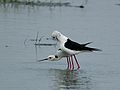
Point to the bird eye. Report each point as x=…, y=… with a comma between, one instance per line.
x=60, y=49
x=50, y=57
x=53, y=37
x=56, y=56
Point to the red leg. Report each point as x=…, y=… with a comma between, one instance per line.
x=77, y=61
x=72, y=63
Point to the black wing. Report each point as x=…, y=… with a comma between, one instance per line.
x=79, y=47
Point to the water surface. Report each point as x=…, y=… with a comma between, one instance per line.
x=97, y=22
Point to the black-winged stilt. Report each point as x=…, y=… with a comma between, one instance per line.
x=59, y=55
x=71, y=48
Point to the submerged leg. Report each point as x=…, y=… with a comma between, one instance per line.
x=72, y=63
x=77, y=61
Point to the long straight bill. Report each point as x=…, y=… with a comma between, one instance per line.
x=43, y=60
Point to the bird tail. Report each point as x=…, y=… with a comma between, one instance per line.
x=92, y=49
x=87, y=43
x=89, y=48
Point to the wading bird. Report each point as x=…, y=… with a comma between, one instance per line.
x=59, y=55
x=71, y=48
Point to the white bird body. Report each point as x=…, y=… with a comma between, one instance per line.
x=62, y=39
x=71, y=48
x=62, y=54
x=68, y=48
x=59, y=55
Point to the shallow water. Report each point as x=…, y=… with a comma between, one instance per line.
x=97, y=22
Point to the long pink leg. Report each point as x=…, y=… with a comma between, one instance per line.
x=72, y=63
x=76, y=61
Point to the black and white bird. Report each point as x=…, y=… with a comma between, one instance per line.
x=71, y=48
x=58, y=56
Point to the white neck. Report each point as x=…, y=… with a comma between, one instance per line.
x=62, y=38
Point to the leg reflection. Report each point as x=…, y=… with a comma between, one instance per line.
x=67, y=79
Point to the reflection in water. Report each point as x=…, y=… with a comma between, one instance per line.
x=17, y=7
x=65, y=79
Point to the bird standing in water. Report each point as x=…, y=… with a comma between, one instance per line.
x=71, y=48
x=59, y=55
x=68, y=49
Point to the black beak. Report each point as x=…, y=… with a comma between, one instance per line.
x=49, y=38
x=43, y=60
